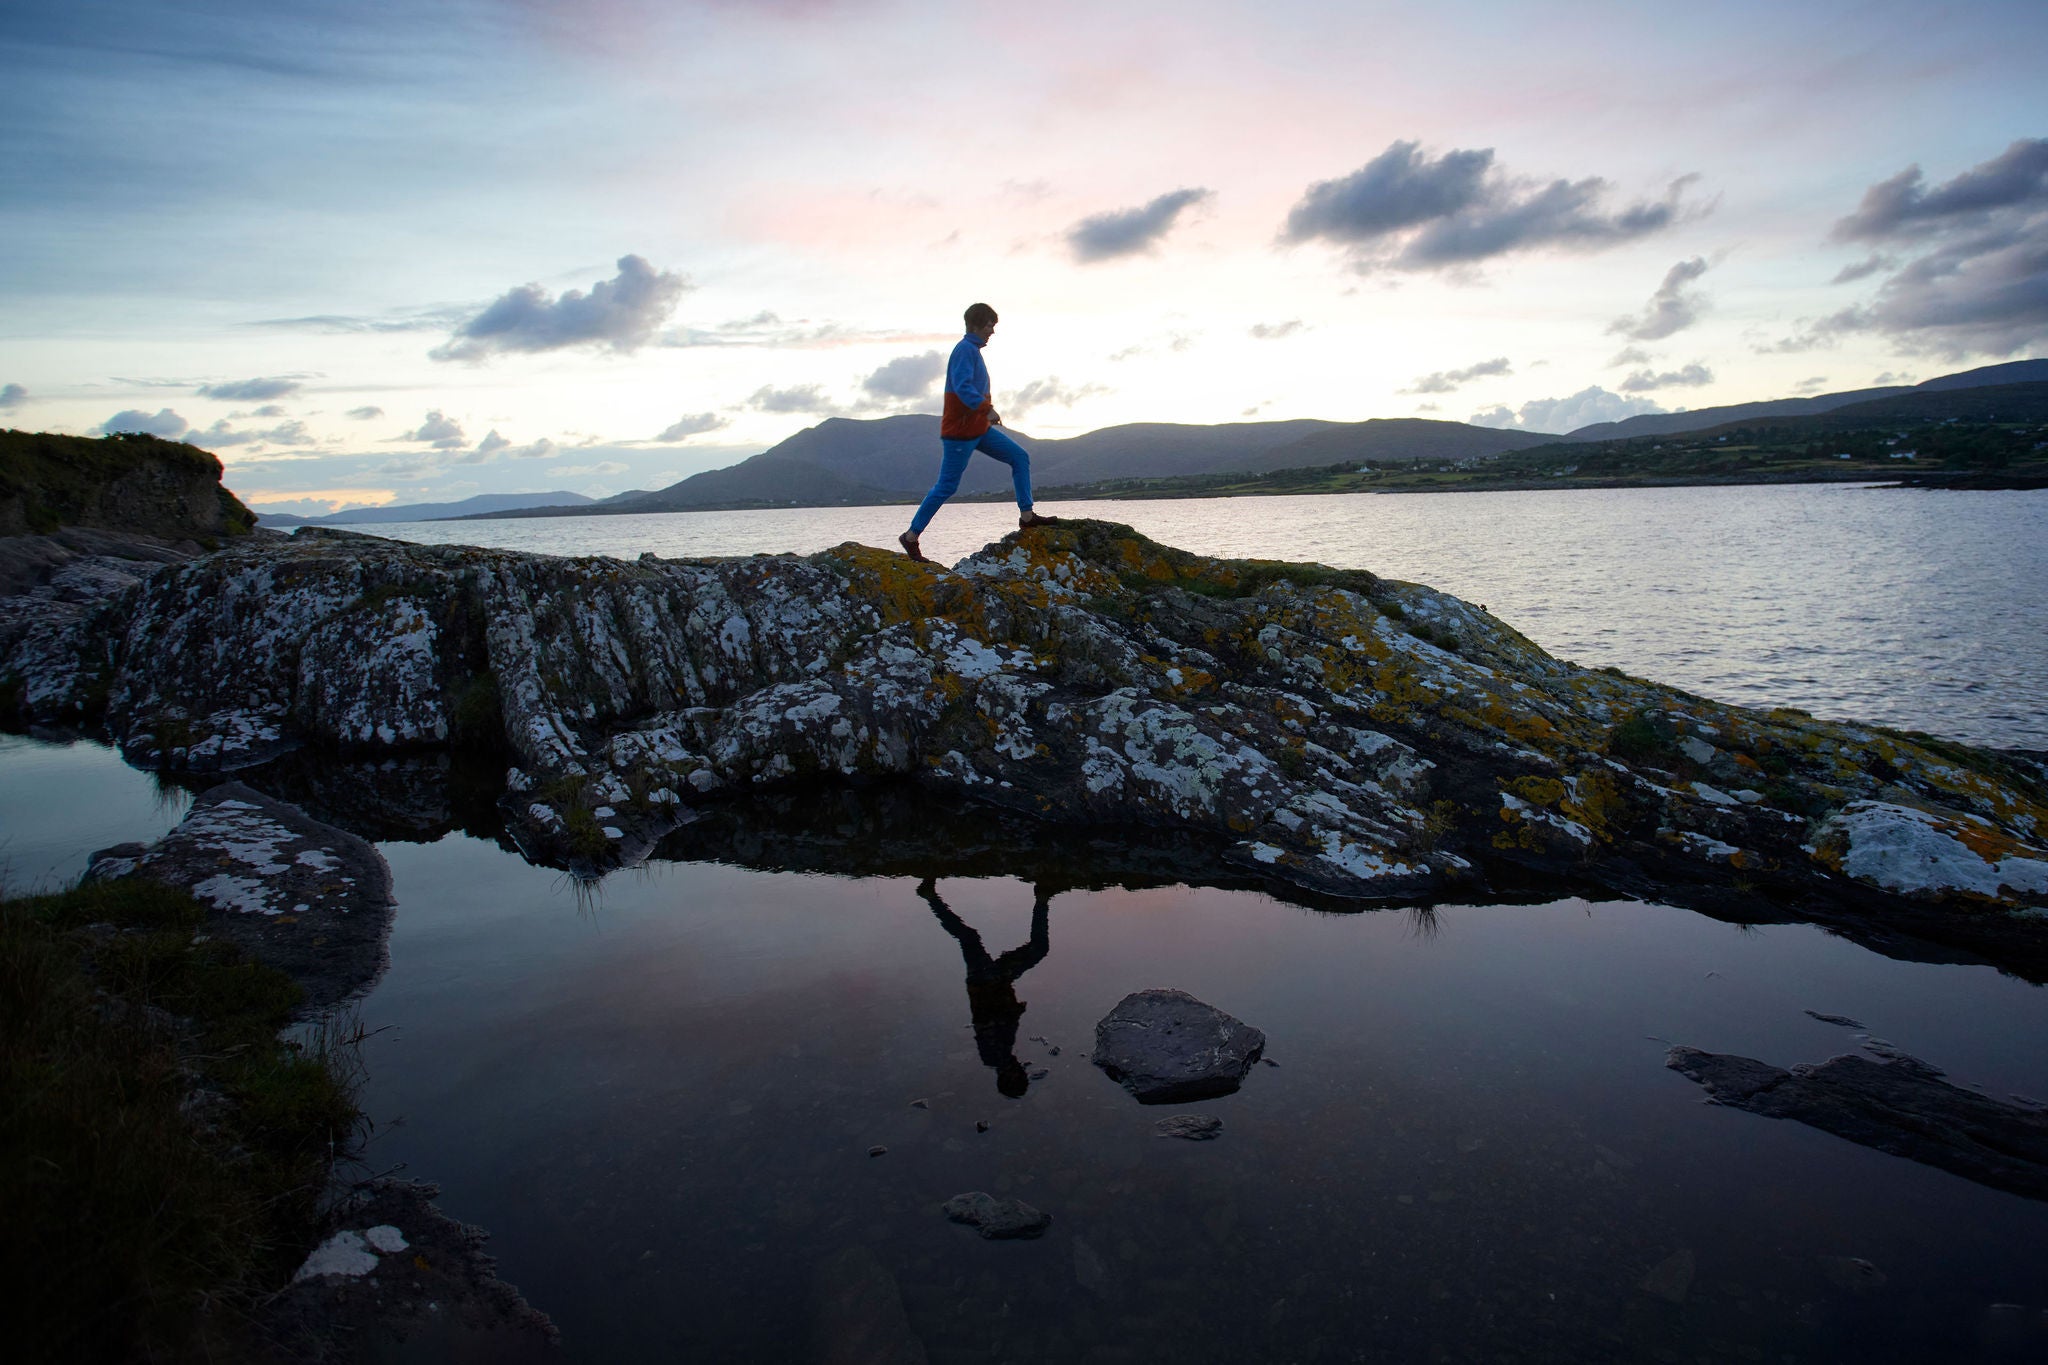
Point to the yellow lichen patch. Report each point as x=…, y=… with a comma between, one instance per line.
x=1544, y=792
x=898, y=588
x=1596, y=801
x=1988, y=842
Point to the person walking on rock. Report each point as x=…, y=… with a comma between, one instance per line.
x=970, y=423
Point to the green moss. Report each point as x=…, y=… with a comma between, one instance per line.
x=157, y=1223
x=1642, y=736
x=58, y=480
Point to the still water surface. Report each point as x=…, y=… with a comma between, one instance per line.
x=1927, y=611
x=661, y=1099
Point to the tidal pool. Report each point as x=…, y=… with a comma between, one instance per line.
x=660, y=1095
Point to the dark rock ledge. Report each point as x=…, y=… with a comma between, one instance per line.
x=1330, y=731
x=1902, y=1106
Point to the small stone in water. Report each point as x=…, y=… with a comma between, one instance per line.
x=878, y=1150
x=1193, y=1127
x=981, y=1125
x=1039, y=1073
x=920, y=1104
x=993, y=1217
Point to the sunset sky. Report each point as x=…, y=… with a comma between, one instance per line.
x=374, y=252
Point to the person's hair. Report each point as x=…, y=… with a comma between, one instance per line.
x=980, y=315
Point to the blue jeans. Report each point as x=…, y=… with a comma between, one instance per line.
x=995, y=444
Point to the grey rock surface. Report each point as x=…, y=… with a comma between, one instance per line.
x=996, y=1218
x=1903, y=1106
x=398, y=1279
x=309, y=899
x=1167, y=1047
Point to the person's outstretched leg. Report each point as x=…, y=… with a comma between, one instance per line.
x=997, y=445
x=952, y=464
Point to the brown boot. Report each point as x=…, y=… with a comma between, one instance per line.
x=1031, y=519
x=908, y=540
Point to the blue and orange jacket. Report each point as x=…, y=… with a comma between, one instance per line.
x=969, y=405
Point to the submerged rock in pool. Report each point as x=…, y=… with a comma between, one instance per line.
x=1903, y=1106
x=1193, y=1127
x=996, y=1218
x=1165, y=1046
x=1325, y=729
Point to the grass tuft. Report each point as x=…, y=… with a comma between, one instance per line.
x=162, y=1150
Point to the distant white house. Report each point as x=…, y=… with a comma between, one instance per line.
x=1904, y=454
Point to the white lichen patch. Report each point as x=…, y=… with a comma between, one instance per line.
x=385, y=1238
x=344, y=1254
x=1899, y=848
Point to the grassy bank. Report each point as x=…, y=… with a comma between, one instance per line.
x=162, y=1152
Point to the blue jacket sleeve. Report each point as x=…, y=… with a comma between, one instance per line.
x=967, y=376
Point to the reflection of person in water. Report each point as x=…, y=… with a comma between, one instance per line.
x=992, y=984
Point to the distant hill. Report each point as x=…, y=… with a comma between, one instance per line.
x=1701, y=419
x=845, y=461
x=483, y=504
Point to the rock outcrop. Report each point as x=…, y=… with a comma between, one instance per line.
x=311, y=900
x=129, y=484
x=1326, y=730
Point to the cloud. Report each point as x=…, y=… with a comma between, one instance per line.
x=1629, y=355
x=1812, y=385
x=1902, y=208
x=1408, y=211
x=1644, y=381
x=539, y=450
x=492, y=444
x=163, y=422
x=1864, y=268
x=1673, y=308
x=695, y=424
x=438, y=318
x=439, y=431
x=221, y=436
x=599, y=470
x=1888, y=377
x=1044, y=393
x=364, y=414
x=799, y=398
x=1449, y=381
x=250, y=390
x=1428, y=407
x=1171, y=341
x=619, y=314
x=1560, y=415
x=768, y=329
x=1273, y=331
x=267, y=410
x=906, y=377
x=1127, y=232
x=1979, y=285
x=12, y=397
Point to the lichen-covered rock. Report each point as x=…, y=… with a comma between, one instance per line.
x=1324, y=729
x=309, y=899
